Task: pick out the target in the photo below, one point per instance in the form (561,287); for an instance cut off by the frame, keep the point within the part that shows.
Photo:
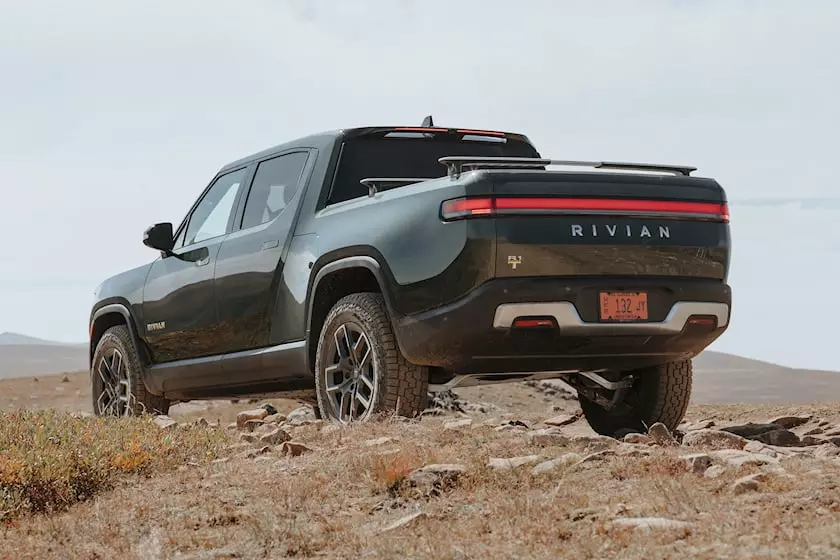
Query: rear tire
(660,394)
(116,378)
(359,371)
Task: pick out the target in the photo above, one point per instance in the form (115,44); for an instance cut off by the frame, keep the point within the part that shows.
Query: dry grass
(51,460)
(337,502)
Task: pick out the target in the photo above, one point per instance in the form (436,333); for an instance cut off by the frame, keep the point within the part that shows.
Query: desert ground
(505,471)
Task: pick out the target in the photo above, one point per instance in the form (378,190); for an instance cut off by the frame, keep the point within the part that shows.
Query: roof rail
(372,182)
(456,164)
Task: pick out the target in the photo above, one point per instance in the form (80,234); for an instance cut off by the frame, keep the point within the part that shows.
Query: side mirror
(159,237)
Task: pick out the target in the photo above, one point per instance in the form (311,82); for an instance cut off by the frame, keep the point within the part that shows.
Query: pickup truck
(359,270)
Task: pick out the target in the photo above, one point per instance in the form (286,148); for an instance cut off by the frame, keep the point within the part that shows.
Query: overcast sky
(112,118)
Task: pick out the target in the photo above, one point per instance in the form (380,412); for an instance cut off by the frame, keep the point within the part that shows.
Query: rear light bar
(483,206)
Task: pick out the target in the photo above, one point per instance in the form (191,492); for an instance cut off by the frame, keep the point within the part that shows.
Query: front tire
(359,371)
(116,378)
(659,394)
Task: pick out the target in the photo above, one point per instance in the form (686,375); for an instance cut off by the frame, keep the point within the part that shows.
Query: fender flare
(356,261)
(123,310)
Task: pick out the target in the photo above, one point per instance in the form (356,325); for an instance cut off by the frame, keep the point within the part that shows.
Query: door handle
(269,245)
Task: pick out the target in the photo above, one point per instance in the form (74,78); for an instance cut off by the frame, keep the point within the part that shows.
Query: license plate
(624,306)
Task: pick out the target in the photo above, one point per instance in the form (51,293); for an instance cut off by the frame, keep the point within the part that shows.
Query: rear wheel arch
(334,281)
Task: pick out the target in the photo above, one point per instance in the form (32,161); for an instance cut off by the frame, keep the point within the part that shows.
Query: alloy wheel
(115,395)
(351,375)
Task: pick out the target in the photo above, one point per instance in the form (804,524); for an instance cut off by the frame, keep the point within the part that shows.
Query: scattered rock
(647,524)
(165,422)
(594,443)
(436,475)
(301,415)
(564,460)
(697,462)
(661,435)
(377,442)
(403,521)
(231,426)
(814,432)
(826,451)
(632,450)
(714,471)
(268,408)
(293,449)
(548,436)
(788,422)
(201,423)
(782,438)
(562,420)
(507,427)
(637,438)
(754,447)
(750,430)
(512,462)
(245,415)
(714,439)
(701,425)
(749,483)
(256,453)
(458,424)
(812,440)
(65,379)
(253,424)
(248,437)
(597,456)
(275,437)
(738,458)
(274,418)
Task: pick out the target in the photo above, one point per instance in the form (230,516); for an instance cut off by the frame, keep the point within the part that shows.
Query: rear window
(411,155)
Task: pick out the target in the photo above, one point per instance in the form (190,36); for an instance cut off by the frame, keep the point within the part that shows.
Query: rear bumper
(474,334)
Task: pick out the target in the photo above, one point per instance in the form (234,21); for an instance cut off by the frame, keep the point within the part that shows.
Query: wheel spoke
(367,378)
(361,351)
(342,387)
(342,343)
(117,365)
(364,401)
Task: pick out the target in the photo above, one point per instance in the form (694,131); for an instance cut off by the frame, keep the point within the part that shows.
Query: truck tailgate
(584,224)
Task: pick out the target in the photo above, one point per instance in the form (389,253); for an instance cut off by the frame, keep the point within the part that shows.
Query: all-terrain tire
(401,387)
(660,394)
(141,401)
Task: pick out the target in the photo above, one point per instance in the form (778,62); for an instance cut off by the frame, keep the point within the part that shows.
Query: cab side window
(211,217)
(275,183)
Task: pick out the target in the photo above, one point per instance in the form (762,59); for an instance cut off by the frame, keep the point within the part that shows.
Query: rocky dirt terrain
(508,471)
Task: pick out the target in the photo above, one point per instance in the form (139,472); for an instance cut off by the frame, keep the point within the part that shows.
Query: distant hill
(725,379)
(16,339)
(27,356)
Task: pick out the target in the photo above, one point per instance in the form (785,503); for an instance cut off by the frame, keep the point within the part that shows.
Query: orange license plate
(624,306)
